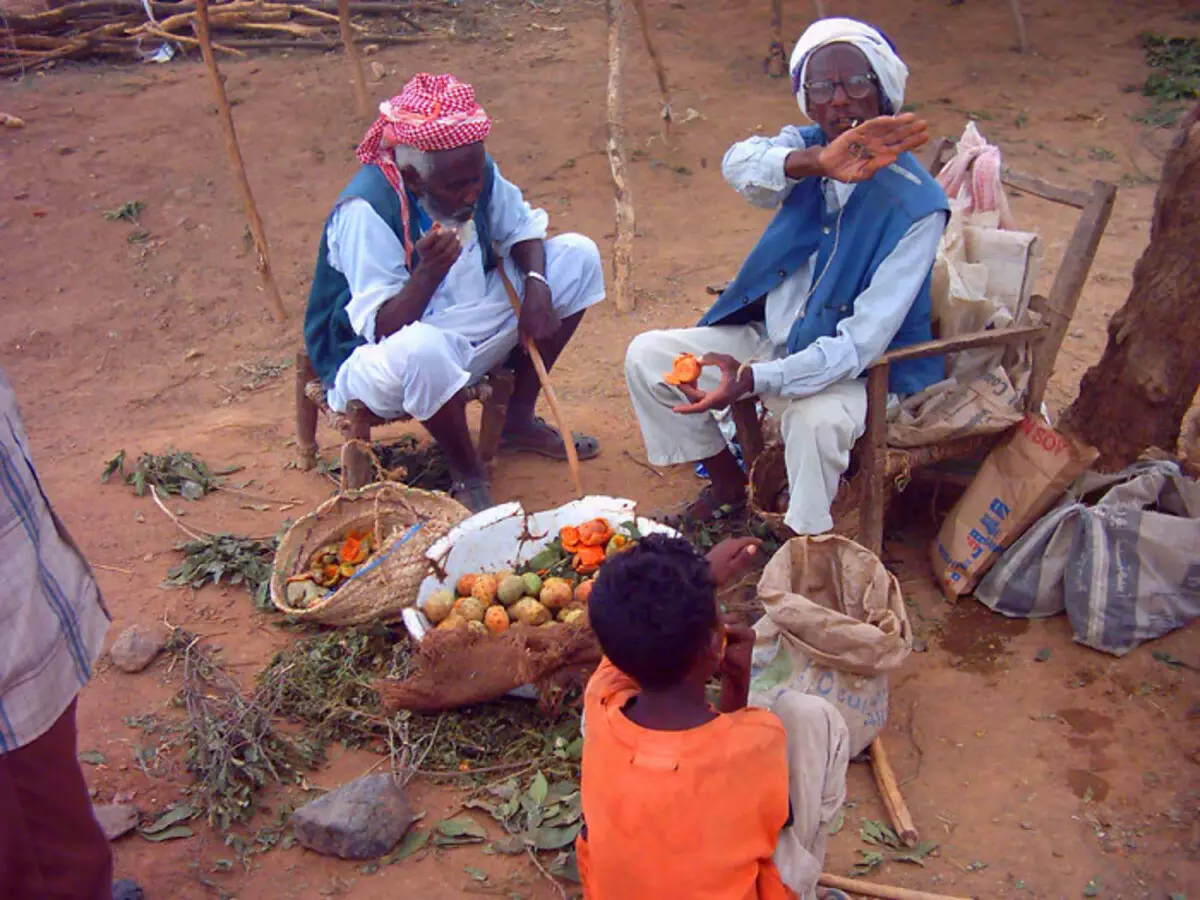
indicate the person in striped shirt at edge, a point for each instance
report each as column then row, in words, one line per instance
column 52, row 626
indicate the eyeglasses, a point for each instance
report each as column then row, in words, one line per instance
column 856, row 87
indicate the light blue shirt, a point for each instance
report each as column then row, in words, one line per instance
column 755, row 169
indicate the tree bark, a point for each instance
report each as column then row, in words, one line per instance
column 1135, row 398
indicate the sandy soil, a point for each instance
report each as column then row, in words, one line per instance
column 1034, row 777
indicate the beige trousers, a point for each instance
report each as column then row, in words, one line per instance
column 818, row 431
column 818, row 744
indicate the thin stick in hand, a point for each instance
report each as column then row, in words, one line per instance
column 539, row 366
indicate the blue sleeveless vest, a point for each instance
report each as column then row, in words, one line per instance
column 875, row 218
column 328, row 334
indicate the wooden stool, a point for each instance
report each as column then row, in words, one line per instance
column 494, row 391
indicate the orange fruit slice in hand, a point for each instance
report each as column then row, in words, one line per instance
column 684, row 370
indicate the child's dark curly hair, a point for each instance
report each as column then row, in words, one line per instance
column 653, row 608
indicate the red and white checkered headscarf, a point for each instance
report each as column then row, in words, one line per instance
column 432, row 112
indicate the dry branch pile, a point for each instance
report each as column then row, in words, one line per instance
column 133, row 29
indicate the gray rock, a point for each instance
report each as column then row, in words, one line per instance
column 360, row 820
column 136, row 647
column 116, row 819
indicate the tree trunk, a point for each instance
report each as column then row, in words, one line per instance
column 1135, row 398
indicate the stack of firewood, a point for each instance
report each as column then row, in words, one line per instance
column 134, row 30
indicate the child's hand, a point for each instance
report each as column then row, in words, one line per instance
column 732, row 557
column 739, row 646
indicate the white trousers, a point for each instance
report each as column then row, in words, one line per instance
column 417, row 369
column 818, row 744
column 818, row 431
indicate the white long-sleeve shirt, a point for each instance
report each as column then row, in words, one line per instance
column 366, row 250
column 755, row 169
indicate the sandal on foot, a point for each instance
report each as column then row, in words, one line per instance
column 473, row 493
column 546, row 441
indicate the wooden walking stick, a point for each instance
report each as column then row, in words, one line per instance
column 882, row 891
column 360, row 81
column 539, row 366
column 897, row 809
column 257, row 232
column 622, row 287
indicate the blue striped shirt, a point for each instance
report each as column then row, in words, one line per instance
column 52, row 617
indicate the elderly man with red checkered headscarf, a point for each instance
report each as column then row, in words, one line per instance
column 408, row 307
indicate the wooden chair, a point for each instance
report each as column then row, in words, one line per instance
column 878, row 468
column 494, row 391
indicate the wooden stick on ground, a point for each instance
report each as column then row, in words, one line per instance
column 1019, row 20
column 360, row 80
column 883, row 891
column 897, row 809
column 660, row 71
column 623, row 244
column 235, row 160
column 539, row 365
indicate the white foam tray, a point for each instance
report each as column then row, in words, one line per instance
column 505, row 536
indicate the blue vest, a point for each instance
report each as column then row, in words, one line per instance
column 875, row 218
column 328, row 334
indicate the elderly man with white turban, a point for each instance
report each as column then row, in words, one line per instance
column 408, row 307
column 840, row 276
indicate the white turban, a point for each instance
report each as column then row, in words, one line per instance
column 888, row 67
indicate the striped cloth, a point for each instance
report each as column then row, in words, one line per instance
column 52, row 617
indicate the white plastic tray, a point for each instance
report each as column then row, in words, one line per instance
column 505, row 536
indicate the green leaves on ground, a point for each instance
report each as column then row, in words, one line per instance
column 173, row 472
column 459, row 830
column 225, row 557
column 890, row 848
column 545, row 816
column 167, row 827
column 1176, row 62
column 92, row 757
column 130, row 211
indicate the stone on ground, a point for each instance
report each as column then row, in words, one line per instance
column 116, row 819
column 136, row 647
column 363, row 819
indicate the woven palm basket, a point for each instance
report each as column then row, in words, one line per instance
column 769, row 495
column 404, row 522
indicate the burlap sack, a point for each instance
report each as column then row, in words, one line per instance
column 458, row 668
column 835, row 625
column 987, row 404
column 1017, row 483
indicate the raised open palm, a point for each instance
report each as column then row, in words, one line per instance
column 859, row 153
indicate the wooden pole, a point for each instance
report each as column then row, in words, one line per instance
column 622, row 291
column 776, row 63
column 883, row 891
column 235, row 160
column 660, row 71
column 893, row 801
column 1019, row 20
column 360, row 80
column 539, row 365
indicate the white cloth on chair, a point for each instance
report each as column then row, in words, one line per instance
column 818, row 431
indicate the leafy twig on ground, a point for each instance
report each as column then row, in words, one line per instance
column 173, row 472
column 424, row 466
column 129, row 211
column 226, row 557
column 233, row 748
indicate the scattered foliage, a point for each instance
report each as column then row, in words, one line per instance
column 405, row 460
column 129, row 211
column 226, row 557
column 173, row 472
column 233, row 747
column 1176, row 62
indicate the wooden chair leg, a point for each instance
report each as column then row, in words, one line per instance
column 306, row 415
column 495, row 411
column 359, row 470
column 874, row 461
column 749, row 429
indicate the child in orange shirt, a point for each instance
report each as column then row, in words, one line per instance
column 681, row 800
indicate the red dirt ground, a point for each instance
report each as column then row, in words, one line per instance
column 1034, row 778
